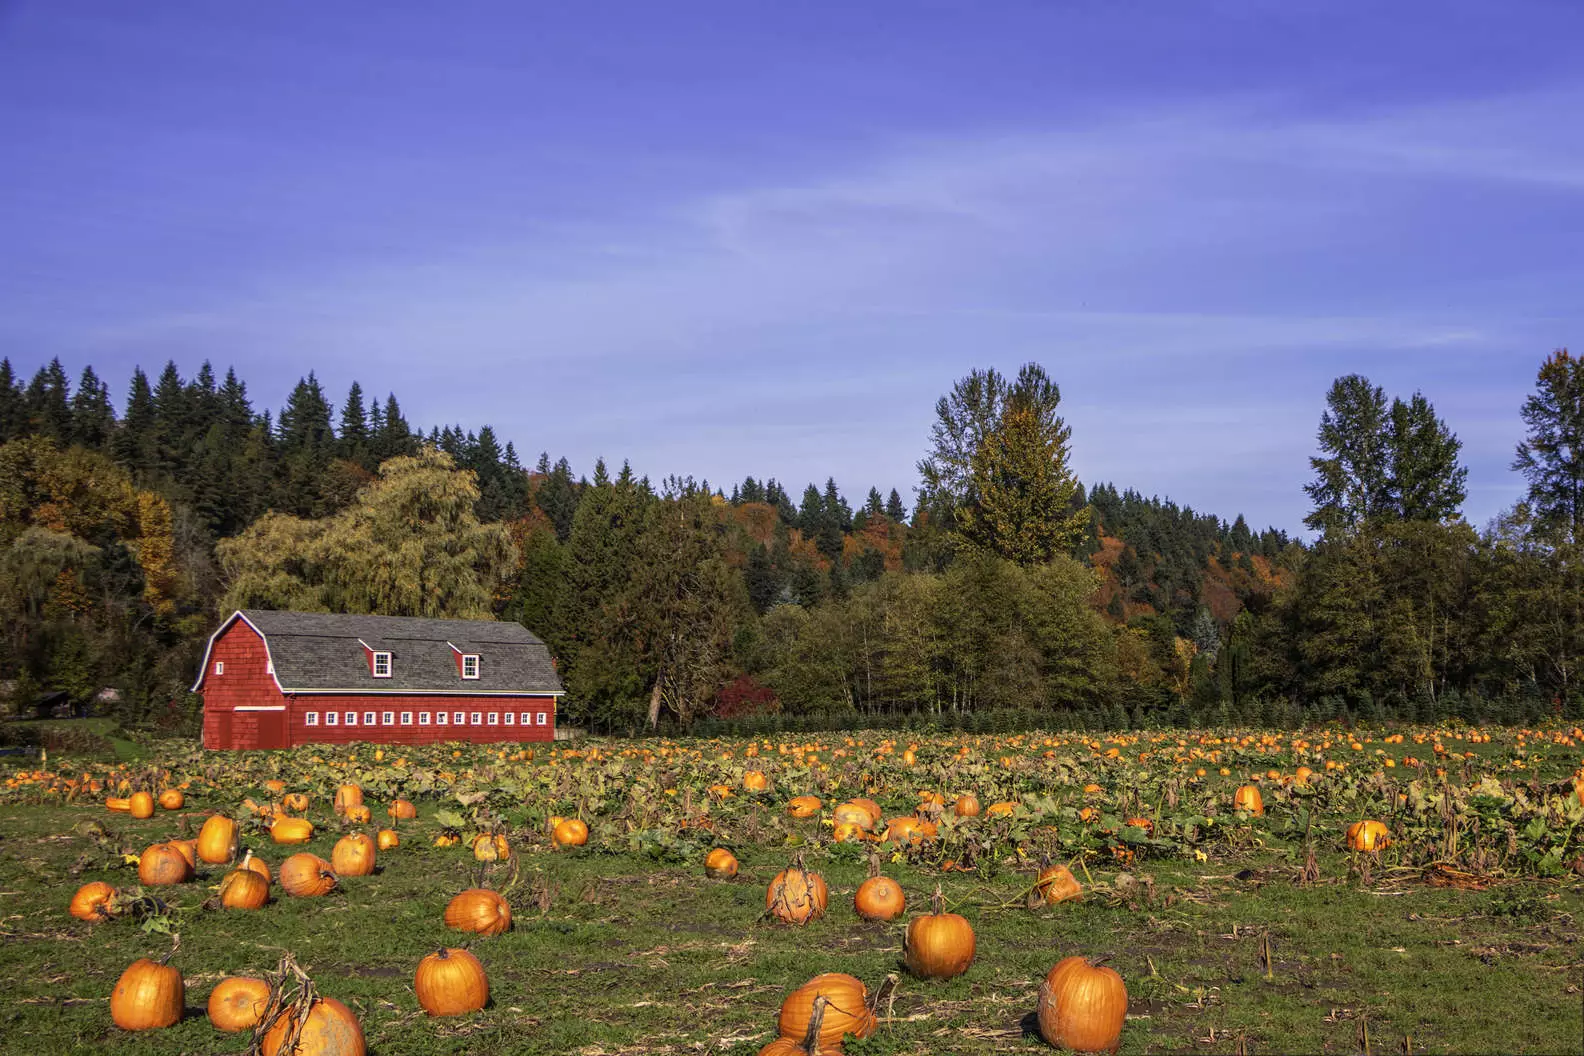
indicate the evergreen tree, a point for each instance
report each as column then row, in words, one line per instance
column 135, row 443
column 1551, row 457
column 894, row 508
column 92, row 414
column 354, row 431
column 556, row 495
column 874, row 504
column 48, row 402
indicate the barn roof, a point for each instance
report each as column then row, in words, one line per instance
column 319, row 652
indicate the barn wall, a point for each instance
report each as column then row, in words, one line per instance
column 415, row 733
column 246, row 682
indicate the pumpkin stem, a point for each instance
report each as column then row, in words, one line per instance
column 811, row 1036
column 883, row 995
column 175, row 945
column 874, row 865
column 937, row 902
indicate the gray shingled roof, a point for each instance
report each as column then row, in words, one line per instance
column 320, row 651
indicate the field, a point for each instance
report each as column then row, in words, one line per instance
column 1234, row 931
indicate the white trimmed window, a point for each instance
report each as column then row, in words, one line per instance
column 544, row 718
column 470, row 665
column 368, row 718
column 461, row 718
column 494, row 718
column 511, row 718
column 406, row 718
column 423, row 718
column 310, row 718
column 219, row 667
column 269, row 667
column 332, row 717
column 382, row 665
column 478, row 718
column 442, row 717
column 389, row 718
column 351, row 718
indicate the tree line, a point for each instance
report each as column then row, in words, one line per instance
column 1008, row 589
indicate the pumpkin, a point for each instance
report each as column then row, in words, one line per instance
column 93, row 901
column 479, row 910
column 244, row 889
column 141, row 805
column 451, row 982
column 571, row 832
column 848, row 832
column 756, row 781
column 491, row 848
column 291, row 830
column 172, row 799
column 238, row 1003
column 353, row 855
column 148, row 996
column 879, row 898
column 163, row 864
column 402, row 810
column 188, row 850
column 257, row 865
column 296, row 801
column 938, row 945
column 330, row 1030
column 1056, row 883
column 1301, row 775
column 1367, row 836
column 347, row 796
column 853, row 814
column 847, row 1010
column 810, row 1043
column 387, row 838
column 804, row 806
column 359, row 814
column 967, row 806
column 1248, row 799
column 121, row 806
column 307, row 875
column 1005, row 808
column 797, row 896
column 1082, row 1006
column 909, row 830
column 875, row 813
column 720, row 864
column 217, row 840
column 275, row 786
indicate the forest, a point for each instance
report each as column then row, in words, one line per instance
column 1002, row 594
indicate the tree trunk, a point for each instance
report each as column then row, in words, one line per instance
column 654, row 701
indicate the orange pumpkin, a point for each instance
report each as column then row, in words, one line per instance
column 402, row 810
column 967, row 806
column 879, row 898
column 720, row 864
column 1248, row 799
column 244, row 889
column 172, row 799
column 163, row 864
column 797, row 896
column 93, row 901
column 330, row 1030
column 756, row 781
column 804, row 806
column 141, row 805
column 846, row 1011
column 291, row 830
column 217, row 840
column 478, row 910
column 238, row 1003
column 353, row 855
column 148, row 996
column 387, row 838
column 938, row 945
column 1082, row 1007
column 347, row 796
column 451, row 982
column 359, row 814
column 307, row 875
column 1367, row 836
column 571, row 832
column 1056, row 884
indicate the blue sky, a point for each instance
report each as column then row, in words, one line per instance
column 751, row 238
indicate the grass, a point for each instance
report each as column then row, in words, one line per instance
column 107, row 731
column 623, row 954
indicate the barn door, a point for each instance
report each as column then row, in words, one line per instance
column 272, row 729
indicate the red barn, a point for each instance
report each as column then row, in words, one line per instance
column 279, row 679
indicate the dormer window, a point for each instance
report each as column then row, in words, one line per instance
column 382, row 665
column 470, row 665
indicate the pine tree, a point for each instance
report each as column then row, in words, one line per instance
column 13, row 409
column 48, row 400
column 135, row 443
column 894, row 508
column 354, row 431
column 873, row 504
column 92, row 414
column 1353, row 485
